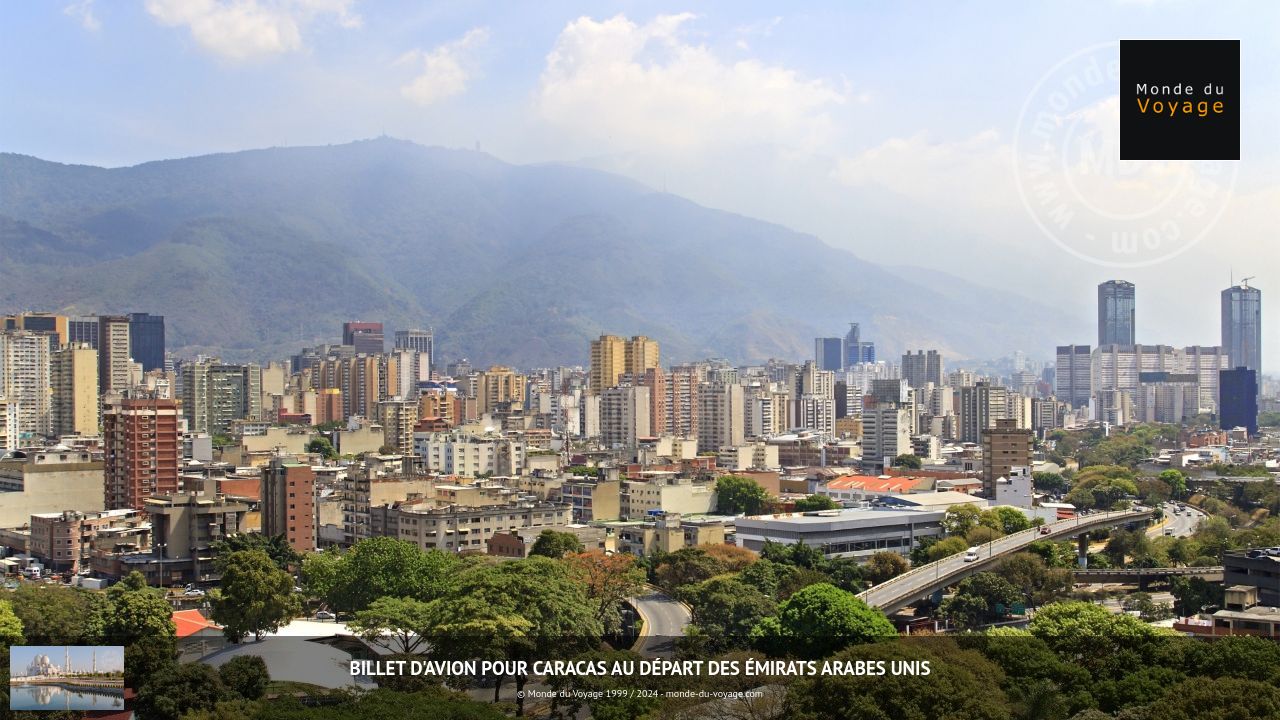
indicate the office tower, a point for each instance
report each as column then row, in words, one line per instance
column 978, row 408
column 113, row 353
column 857, row 350
column 1073, row 375
column 54, row 326
column 422, row 341
column 358, row 378
column 1004, row 447
column 1242, row 326
column 215, row 395
column 83, row 329
column 886, row 434
column 398, row 416
column 919, row 368
column 25, row 382
column 74, row 380
column 406, row 370
column 624, row 416
column 365, row 337
column 288, row 503
column 141, row 451
column 612, row 357
column 889, row 391
column 721, row 416
column 498, row 388
column 829, row 353
column 1116, row 313
column 1167, row 397
column 842, row 399
column 1239, row 404
column 146, row 340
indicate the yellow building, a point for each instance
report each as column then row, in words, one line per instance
column 74, row 377
column 612, row 357
column 497, row 386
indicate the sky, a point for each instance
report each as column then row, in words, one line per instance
column 895, row 130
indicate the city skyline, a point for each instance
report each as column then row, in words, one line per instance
column 862, row 145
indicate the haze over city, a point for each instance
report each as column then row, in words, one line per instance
column 819, row 120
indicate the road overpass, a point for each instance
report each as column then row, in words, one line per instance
column 665, row 619
column 899, row 592
column 1142, row 576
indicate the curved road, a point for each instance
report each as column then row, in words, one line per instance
column 665, row 619
column 1181, row 523
column 899, row 592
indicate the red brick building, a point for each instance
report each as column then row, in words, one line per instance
column 289, row 503
column 141, row 451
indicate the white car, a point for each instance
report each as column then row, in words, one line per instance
column 324, row 615
column 971, row 554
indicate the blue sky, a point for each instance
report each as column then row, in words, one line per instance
column 884, row 128
column 109, row 657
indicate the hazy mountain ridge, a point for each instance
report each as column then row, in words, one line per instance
column 254, row 254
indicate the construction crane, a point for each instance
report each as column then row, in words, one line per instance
column 1244, row 282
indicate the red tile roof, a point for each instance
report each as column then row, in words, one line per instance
column 190, row 622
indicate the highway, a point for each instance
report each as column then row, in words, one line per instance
column 665, row 619
column 1182, row 523
column 899, row 592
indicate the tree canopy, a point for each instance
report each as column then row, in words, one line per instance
column 737, row 495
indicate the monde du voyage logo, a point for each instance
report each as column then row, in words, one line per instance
column 1179, row 99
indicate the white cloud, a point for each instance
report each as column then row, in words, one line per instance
column 644, row 87
column 240, row 29
column 445, row 69
column 83, row 11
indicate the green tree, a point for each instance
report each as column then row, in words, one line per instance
column 138, row 614
column 964, row 611
column 180, row 689
column 319, row 573
column 59, row 615
column 555, row 544
column 10, row 625
column 399, row 624
column 527, row 610
column 960, row 519
column 738, row 495
column 388, row 567
column 1217, row 699
column 1004, row 519
column 884, row 566
column 1176, row 481
column 276, row 547
column 1034, row 579
column 686, row 566
column 725, row 610
column 819, row 620
column 246, row 675
column 1050, row 482
column 608, row 581
column 254, row 597
column 1193, row 594
column 323, row 447
column 815, row 502
column 908, row 461
column 945, row 548
column 1088, row 633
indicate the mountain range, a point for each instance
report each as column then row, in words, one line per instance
column 254, row 254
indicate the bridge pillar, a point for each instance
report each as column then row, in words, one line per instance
column 1082, row 550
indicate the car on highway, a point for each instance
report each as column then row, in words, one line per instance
column 971, row 554
column 1045, row 529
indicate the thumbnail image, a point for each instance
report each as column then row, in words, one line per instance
column 66, row 677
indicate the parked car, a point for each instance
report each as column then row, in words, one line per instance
column 324, row 615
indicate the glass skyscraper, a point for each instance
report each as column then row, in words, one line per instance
column 146, row 340
column 1116, row 304
column 1242, row 326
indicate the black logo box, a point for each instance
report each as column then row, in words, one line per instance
column 1185, row 64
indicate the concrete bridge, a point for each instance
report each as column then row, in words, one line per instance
column 909, row 587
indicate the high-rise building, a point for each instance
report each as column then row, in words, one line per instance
column 215, row 395
column 857, row 350
column 919, row 368
column 146, row 340
column 681, row 402
column 624, row 416
column 113, row 353
column 54, row 326
column 829, row 353
column 1242, row 326
column 288, row 503
column 74, row 380
column 141, row 449
column 25, row 381
column 359, row 379
column 398, row 416
column 612, row 357
column 978, row 408
column 422, row 342
column 656, row 380
column 886, row 434
column 1239, row 404
column 1116, row 303
column 1073, row 375
column 1004, row 447
column 499, row 386
column 365, row 337
column 721, row 416
column 82, row 329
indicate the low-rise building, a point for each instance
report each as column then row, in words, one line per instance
column 518, row 543
column 184, row 529
column 669, row 532
column 68, row 540
column 468, row 529
column 666, row 494
column 44, row 480
column 857, row 533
